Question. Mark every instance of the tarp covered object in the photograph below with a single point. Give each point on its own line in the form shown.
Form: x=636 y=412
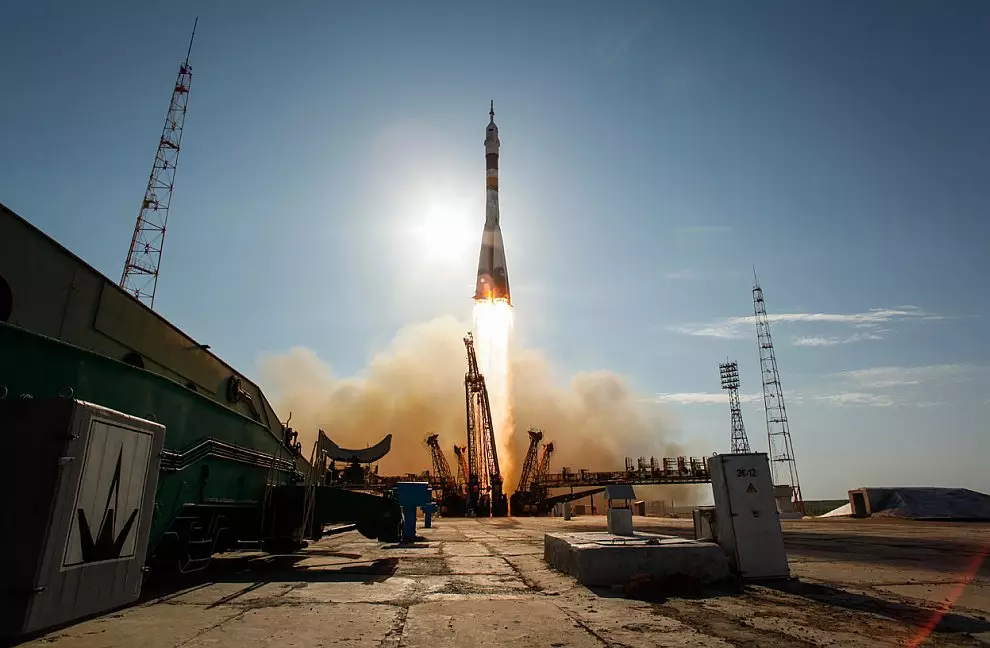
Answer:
x=929 y=503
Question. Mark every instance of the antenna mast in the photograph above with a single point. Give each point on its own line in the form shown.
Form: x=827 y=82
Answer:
x=782 y=462
x=140 y=276
x=729 y=371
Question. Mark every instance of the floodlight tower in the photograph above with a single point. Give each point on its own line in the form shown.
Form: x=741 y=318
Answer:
x=781 y=449
x=140 y=277
x=729 y=372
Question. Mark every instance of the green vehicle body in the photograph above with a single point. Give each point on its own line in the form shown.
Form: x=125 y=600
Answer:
x=66 y=330
x=214 y=458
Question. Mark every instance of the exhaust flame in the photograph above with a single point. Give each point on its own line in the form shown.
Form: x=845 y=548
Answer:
x=492 y=329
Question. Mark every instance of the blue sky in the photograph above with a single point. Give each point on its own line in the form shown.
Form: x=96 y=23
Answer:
x=652 y=153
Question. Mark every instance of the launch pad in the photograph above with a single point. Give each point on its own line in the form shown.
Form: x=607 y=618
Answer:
x=475 y=486
x=483 y=582
x=599 y=558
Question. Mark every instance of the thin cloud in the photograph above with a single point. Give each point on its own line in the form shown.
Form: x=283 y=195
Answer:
x=887 y=377
x=710 y=330
x=740 y=327
x=846 y=399
x=868 y=399
x=871 y=387
x=894 y=386
x=702 y=398
x=817 y=341
x=682 y=275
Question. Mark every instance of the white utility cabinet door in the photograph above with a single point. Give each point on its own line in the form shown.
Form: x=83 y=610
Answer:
x=748 y=525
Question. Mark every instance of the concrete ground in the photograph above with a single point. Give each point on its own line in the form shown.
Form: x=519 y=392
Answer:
x=483 y=583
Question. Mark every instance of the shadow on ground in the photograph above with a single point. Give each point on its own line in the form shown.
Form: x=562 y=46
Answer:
x=283 y=568
x=875 y=547
x=913 y=615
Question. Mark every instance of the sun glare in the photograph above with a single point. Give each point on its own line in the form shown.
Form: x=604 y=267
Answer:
x=443 y=234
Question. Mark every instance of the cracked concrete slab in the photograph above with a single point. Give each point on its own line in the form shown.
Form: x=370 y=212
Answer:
x=345 y=626
x=478 y=565
x=465 y=549
x=153 y=626
x=457 y=624
x=477 y=582
x=395 y=588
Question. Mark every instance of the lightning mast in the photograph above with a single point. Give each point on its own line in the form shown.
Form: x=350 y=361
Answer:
x=782 y=461
x=729 y=372
x=140 y=276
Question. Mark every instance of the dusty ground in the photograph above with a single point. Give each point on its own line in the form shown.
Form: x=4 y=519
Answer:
x=483 y=583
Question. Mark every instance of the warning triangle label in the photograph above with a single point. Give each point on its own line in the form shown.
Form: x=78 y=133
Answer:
x=751 y=489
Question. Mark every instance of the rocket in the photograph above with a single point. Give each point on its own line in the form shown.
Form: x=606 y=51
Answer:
x=493 y=275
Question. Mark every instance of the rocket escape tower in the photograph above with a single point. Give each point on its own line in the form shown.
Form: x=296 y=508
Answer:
x=729 y=372
x=485 y=496
x=781 y=449
x=140 y=276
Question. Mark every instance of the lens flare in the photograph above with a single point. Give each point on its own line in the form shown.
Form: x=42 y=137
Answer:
x=492 y=329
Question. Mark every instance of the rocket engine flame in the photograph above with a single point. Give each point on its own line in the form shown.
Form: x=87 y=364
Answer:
x=492 y=330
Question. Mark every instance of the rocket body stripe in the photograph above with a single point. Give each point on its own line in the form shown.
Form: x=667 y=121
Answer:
x=493 y=274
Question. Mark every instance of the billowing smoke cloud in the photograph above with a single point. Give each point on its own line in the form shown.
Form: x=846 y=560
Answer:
x=416 y=386
x=412 y=388
x=595 y=421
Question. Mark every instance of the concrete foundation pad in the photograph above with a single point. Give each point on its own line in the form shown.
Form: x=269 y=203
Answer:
x=152 y=626
x=602 y=559
x=492 y=624
x=478 y=565
x=347 y=626
x=354 y=591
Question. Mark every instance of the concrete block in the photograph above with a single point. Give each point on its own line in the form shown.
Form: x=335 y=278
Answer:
x=785 y=506
x=620 y=521
x=602 y=559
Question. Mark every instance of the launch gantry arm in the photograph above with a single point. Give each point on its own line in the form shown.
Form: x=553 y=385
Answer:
x=441 y=469
x=462 y=467
x=544 y=468
x=526 y=477
x=483 y=465
x=473 y=381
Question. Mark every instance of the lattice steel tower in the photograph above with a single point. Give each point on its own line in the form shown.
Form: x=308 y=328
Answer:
x=140 y=277
x=730 y=382
x=782 y=461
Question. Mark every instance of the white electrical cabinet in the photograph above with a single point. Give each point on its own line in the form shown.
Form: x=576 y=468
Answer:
x=82 y=498
x=746 y=519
